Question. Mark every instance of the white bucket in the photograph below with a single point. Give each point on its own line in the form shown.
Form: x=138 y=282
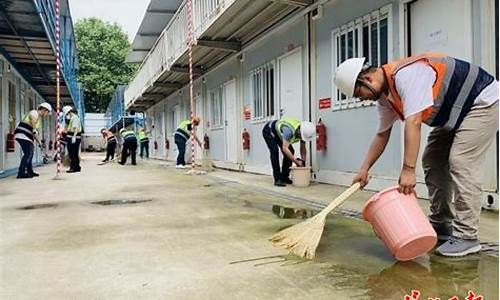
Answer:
x=301 y=176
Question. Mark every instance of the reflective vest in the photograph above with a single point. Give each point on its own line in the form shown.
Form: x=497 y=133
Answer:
x=24 y=127
x=128 y=134
x=291 y=123
x=143 y=137
x=72 y=120
x=457 y=85
x=183 y=129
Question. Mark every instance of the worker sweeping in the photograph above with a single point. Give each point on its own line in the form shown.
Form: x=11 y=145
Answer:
x=460 y=101
x=110 y=139
x=26 y=135
x=281 y=135
x=73 y=138
x=129 y=146
x=181 y=136
x=144 y=142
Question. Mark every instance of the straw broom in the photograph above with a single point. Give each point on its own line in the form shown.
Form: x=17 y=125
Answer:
x=303 y=238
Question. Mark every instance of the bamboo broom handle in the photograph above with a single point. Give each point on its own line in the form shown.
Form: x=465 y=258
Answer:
x=341 y=198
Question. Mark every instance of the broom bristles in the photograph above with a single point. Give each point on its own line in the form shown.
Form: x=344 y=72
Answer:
x=303 y=238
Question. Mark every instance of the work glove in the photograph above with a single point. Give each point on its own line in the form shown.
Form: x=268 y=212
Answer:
x=73 y=139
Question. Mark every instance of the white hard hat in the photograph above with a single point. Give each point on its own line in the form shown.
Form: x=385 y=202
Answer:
x=307 y=131
x=66 y=109
x=347 y=74
x=45 y=105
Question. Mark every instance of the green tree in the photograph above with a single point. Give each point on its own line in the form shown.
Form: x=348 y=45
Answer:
x=102 y=48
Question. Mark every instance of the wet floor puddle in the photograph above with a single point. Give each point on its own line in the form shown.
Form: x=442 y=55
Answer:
x=353 y=258
x=433 y=276
x=121 y=201
x=38 y=206
x=282 y=212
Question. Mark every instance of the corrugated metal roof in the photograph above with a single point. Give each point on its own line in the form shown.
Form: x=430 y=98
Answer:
x=26 y=42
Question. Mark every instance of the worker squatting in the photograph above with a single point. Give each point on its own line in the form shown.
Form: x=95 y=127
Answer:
x=458 y=99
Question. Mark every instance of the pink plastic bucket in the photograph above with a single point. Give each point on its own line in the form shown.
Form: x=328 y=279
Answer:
x=400 y=223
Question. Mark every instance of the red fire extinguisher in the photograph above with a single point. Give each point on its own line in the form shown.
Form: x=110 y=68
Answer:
x=167 y=144
x=206 y=142
x=321 y=136
x=156 y=145
x=246 y=139
x=11 y=143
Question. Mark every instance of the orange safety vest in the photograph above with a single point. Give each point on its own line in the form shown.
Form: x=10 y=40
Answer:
x=457 y=85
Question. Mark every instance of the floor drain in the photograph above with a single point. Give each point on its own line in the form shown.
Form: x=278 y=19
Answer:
x=37 y=206
x=120 y=202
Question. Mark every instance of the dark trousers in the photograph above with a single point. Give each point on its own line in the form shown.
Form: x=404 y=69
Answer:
x=275 y=144
x=181 y=146
x=74 y=159
x=129 y=145
x=145 y=147
x=26 y=165
x=110 y=151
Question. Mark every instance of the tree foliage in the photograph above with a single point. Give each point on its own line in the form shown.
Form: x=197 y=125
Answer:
x=102 y=48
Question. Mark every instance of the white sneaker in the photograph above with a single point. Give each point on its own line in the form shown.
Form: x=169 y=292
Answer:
x=180 y=167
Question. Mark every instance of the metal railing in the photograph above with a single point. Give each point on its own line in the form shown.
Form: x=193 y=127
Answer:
x=173 y=43
x=152 y=66
x=69 y=57
x=116 y=107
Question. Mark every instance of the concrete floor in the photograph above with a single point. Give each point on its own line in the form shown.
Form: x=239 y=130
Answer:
x=201 y=237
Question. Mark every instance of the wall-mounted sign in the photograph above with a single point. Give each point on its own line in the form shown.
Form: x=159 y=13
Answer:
x=325 y=103
x=247 y=113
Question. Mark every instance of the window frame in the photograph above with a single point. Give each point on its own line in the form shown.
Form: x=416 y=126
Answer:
x=266 y=108
x=357 y=25
x=217 y=93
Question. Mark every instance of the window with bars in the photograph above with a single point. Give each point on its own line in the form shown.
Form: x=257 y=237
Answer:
x=368 y=37
x=216 y=116
x=263 y=91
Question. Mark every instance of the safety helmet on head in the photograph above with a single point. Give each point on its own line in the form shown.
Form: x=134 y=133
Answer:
x=196 y=120
x=46 y=106
x=347 y=73
x=307 y=131
x=66 y=109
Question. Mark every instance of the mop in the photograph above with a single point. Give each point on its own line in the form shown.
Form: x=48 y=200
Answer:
x=303 y=238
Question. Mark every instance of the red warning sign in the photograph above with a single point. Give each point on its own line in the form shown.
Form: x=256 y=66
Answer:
x=325 y=103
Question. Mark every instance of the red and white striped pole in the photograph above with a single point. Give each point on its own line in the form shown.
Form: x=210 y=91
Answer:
x=58 y=98
x=191 y=96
